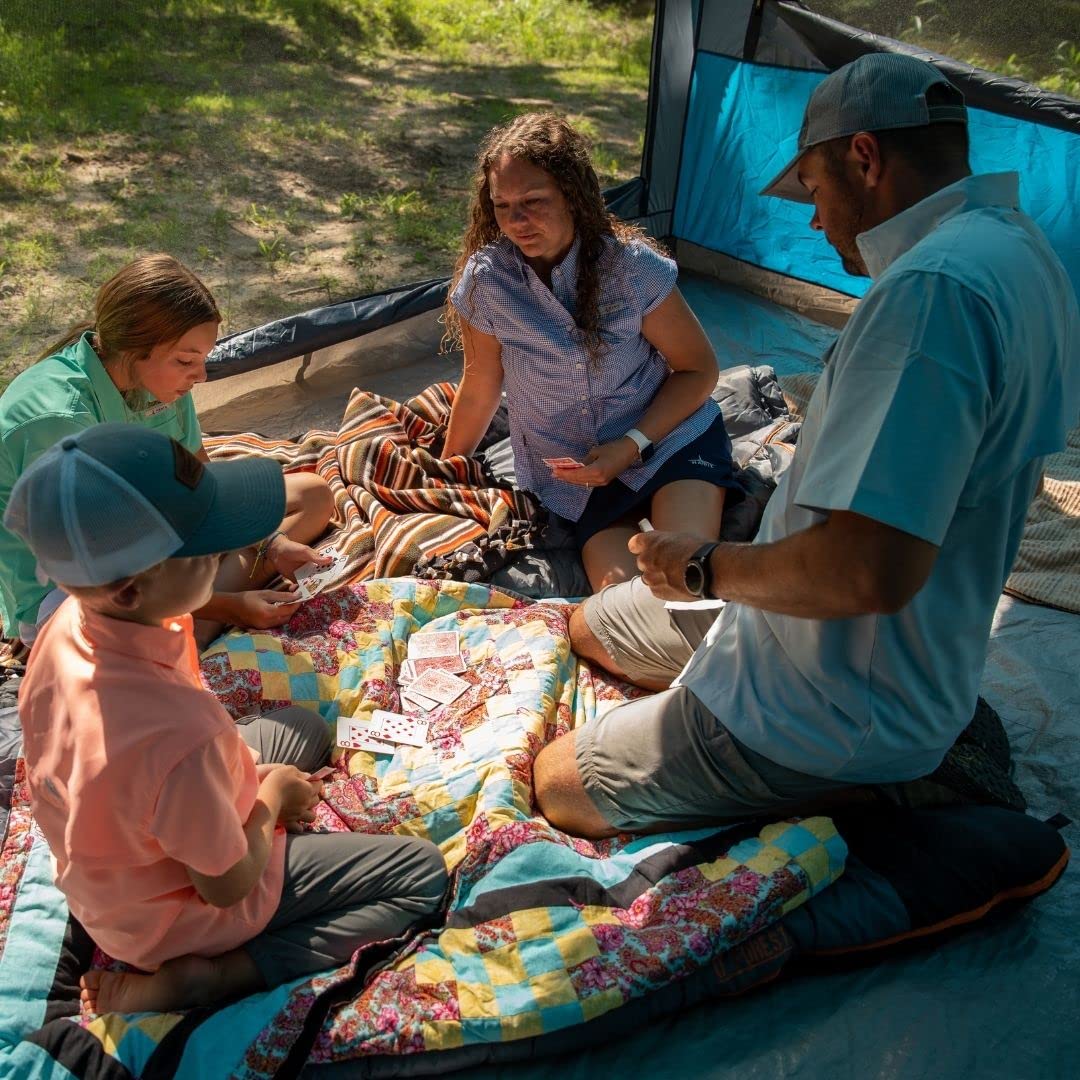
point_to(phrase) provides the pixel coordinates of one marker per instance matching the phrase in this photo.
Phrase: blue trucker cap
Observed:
(877, 92)
(116, 499)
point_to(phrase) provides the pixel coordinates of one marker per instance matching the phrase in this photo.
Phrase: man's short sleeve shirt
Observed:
(956, 374)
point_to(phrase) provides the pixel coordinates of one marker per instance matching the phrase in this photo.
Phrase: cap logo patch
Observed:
(187, 468)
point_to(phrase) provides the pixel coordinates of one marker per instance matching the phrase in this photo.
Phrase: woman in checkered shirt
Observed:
(576, 315)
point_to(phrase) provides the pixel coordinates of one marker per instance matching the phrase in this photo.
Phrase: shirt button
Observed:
(580, 366)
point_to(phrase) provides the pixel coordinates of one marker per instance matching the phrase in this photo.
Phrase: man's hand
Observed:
(261, 609)
(662, 559)
(602, 464)
(287, 556)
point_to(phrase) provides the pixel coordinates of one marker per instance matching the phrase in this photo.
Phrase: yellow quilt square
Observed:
(597, 1004)
(504, 966)
(768, 860)
(459, 940)
(522, 1026)
(434, 969)
(815, 862)
(577, 946)
(276, 686)
(552, 988)
(714, 871)
(532, 923)
(441, 1034)
(476, 1001)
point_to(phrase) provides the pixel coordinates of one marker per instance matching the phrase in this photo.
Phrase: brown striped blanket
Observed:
(397, 500)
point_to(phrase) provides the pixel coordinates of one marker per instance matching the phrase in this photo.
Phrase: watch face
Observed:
(647, 452)
(694, 578)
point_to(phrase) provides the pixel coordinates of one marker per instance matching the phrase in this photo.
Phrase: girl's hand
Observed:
(602, 464)
(287, 556)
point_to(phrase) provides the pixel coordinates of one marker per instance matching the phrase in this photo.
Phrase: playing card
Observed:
(453, 664)
(407, 672)
(562, 463)
(434, 643)
(645, 525)
(353, 737)
(440, 685)
(418, 701)
(393, 727)
(312, 579)
(322, 774)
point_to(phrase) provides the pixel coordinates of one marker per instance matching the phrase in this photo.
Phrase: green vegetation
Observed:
(296, 152)
(1037, 41)
(292, 152)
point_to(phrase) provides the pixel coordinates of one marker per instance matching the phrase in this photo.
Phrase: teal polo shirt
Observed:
(61, 395)
(957, 373)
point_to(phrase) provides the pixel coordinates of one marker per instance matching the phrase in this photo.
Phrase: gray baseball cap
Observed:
(115, 499)
(877, 92)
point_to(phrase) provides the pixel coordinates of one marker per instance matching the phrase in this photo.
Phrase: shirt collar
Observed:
(112, 403)
(168, 644)
(885, 243)
(566, 270)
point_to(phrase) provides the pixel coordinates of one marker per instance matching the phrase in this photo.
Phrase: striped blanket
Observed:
(542, 932)
(396, 499)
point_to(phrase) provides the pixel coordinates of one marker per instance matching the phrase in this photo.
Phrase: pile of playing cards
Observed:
(562, 463)
(312, 579)
(383, 733)
(429, 676)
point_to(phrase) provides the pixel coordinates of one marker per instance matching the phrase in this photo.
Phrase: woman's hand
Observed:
(261, 609)
(287, 556)
(602, 464)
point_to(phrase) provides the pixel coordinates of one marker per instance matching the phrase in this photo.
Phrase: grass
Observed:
(1037, 41)
(297, 152)
(292, 152)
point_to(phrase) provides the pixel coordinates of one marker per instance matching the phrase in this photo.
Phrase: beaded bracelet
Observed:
(262, 549)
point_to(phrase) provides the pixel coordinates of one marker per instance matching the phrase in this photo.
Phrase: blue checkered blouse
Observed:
(559, 402)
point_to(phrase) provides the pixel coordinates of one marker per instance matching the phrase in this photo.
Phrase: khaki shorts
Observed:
(666, 759)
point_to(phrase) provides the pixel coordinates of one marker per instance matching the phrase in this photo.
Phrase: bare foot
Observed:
(183, 983)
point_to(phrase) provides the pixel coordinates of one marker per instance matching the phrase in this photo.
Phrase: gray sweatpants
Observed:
(341, 890)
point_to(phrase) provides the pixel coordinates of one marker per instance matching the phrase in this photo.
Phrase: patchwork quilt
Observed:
(541, 932)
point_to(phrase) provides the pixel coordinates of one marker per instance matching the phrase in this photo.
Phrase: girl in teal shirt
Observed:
(154, 324)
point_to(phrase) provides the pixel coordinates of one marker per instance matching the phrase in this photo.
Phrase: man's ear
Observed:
(126, 594)
(865, 152)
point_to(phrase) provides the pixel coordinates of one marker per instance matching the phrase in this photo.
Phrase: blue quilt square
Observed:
(556, 1017)
(540, 955)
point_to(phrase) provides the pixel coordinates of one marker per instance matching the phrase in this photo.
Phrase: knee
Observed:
(582, 639)
(554, 773)
(614, 575)
(312, 497)
(430, 874)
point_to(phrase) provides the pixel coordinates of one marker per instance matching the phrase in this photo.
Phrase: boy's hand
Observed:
(287, 556)
(262, 609)
(297, 795)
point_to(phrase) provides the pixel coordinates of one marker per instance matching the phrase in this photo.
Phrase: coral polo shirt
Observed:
(137, 773)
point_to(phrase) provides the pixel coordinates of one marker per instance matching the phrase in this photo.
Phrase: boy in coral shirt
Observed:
(170, 840)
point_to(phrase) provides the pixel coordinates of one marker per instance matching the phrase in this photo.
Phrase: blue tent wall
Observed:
(740, 131)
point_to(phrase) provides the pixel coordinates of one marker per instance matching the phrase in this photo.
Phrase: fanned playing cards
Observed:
(312, 579)
(383, 734)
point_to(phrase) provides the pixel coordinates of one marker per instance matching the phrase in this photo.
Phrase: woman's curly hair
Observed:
(550, 143)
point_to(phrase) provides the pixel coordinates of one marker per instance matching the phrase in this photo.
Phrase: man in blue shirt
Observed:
(853, 641)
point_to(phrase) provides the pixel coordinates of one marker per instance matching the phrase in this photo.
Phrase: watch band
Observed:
(697, 577)
(640, 440)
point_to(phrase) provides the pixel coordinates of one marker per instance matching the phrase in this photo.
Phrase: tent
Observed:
(729, 80)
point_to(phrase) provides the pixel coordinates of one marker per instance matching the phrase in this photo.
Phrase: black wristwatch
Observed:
(697, 577)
